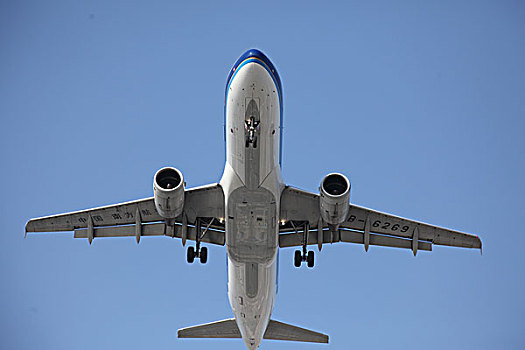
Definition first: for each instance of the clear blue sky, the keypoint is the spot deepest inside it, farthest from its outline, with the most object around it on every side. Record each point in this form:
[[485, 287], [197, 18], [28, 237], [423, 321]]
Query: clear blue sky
[[421, 105]]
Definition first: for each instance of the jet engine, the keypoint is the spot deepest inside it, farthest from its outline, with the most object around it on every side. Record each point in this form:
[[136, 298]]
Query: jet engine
[[335, 198], [168, 191]]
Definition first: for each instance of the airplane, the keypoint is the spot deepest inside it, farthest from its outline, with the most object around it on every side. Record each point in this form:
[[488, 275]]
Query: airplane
[[253, 212]]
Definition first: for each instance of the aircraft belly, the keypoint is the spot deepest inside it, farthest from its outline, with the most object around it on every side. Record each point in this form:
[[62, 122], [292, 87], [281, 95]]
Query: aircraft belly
[[252, 185], [252, 312], [251, 225], [252, 93]]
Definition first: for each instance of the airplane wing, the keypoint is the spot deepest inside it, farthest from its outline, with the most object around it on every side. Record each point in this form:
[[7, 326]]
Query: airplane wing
[[363, 226], [203, 206]]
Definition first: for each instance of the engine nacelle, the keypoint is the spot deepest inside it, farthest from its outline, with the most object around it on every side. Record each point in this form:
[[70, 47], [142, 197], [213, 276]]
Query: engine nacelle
[[168, 191], [335, 198]]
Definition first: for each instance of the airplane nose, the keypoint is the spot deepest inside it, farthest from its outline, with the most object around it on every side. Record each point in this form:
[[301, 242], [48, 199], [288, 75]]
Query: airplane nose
[[255, 54]]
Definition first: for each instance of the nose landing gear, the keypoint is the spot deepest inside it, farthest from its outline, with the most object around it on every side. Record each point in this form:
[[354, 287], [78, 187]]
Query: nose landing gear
[[252, 127]]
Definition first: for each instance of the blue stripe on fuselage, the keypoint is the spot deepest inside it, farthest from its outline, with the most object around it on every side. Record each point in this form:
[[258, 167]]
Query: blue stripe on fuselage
[[257, 56]]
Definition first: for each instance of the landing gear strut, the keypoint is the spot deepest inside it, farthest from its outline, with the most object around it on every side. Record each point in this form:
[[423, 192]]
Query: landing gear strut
[[198, 252], [305, 255]]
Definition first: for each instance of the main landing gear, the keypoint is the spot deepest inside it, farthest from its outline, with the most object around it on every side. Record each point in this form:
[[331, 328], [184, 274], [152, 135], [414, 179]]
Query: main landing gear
[[299, 258], [198, 252], [202, 254], [305, 255]]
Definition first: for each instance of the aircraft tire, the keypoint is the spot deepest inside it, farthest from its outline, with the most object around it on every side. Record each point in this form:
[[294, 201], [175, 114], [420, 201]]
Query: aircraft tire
[[204, 255], [190, 256], [298, 258], [310, 259]]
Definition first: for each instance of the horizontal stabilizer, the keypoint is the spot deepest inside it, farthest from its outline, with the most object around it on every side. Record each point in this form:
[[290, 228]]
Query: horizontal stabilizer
[[282, 331], [220, 329]]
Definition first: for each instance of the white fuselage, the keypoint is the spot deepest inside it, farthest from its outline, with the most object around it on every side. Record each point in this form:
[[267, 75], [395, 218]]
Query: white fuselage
[[252, 185]]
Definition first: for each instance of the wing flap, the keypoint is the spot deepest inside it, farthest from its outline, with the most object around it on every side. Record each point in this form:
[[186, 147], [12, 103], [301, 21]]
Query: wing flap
[[384, 241], [212, 235], [157, 229], [296, 239]]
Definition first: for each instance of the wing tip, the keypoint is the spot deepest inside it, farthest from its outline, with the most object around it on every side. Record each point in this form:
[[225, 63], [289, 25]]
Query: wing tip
[[480, 246], [27, 228]]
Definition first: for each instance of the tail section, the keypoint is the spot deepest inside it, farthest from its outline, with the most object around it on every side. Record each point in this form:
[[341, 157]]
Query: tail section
[[276, 330], [281, 331], [220, 329]]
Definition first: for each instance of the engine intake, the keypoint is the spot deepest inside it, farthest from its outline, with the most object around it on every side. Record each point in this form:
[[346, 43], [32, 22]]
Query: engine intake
[[335, 198], [168, 192]]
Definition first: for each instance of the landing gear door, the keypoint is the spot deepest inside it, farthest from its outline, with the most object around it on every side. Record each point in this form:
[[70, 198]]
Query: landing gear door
[[252, 108]]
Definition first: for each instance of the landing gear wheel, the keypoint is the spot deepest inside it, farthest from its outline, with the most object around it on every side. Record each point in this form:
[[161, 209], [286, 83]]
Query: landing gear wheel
[[190, 256], [310, 259], [298, 258], [204, 255]]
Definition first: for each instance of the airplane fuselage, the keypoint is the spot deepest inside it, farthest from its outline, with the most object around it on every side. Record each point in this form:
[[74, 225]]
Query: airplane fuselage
[[252, 185]]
